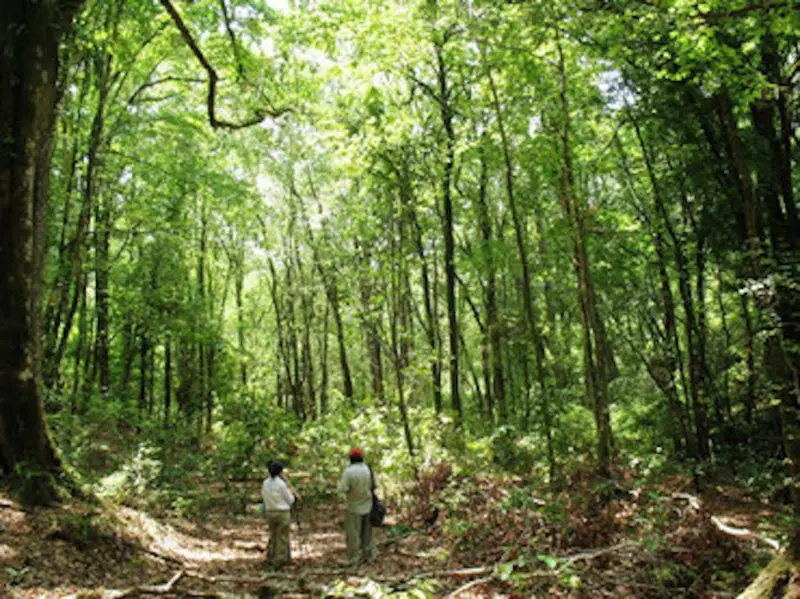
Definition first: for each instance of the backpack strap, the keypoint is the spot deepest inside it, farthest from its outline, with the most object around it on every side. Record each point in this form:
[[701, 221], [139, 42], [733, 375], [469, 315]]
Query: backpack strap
[[371, 478]]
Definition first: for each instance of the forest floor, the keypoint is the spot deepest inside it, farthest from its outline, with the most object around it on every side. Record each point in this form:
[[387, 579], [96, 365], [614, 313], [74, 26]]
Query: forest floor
[[88, 551]]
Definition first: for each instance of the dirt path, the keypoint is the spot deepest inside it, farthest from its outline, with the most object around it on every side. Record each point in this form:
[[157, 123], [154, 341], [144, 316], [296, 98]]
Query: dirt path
[[72, 553], [224, 554]]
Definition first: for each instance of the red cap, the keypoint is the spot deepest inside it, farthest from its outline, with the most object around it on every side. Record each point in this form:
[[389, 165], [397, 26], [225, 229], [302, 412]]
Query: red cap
[[356, 453]]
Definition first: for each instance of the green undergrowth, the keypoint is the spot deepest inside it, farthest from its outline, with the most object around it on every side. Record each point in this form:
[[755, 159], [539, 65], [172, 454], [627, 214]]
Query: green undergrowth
[[482, 494]]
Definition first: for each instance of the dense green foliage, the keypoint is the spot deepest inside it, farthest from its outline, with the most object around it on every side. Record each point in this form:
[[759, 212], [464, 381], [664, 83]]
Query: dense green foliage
[[544, 235]]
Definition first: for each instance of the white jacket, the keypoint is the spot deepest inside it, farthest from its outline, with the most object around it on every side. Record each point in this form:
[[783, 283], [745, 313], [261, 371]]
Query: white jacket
[[276, 495]]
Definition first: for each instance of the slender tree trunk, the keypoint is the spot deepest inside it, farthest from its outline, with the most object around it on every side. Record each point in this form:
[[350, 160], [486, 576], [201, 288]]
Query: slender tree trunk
[[203, 393], [490, 351], [344, 363], [323, 392], [332, 293], [167, 379], [238, 277], [307, 356], [399, 367], [449, 243], [80, 348], [72, 265], [128, 353], [373, 341], [283, 353], [102, 239], [144, 348], [723, 314], [527, 296], [674, 357], [292, 343], [595, 353], [696, 393], [431, 315]]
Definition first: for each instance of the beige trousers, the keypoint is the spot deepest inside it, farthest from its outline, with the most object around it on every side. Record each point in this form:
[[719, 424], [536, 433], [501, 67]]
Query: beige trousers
[[278, 550], [358, 530]]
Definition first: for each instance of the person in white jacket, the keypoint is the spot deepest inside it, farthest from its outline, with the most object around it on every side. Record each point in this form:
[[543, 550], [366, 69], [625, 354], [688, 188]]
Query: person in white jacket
[[278, 497]]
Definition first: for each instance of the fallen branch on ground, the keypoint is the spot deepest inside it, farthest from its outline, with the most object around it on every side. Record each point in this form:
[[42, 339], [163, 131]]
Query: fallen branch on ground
[[239, 579], [161, 556], [468, 586], [742, 533], [590, 555], [157, 589], [454, 573]]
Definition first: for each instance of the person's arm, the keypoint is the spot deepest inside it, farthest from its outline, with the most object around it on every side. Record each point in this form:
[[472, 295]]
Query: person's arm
[[344, 483], [292, 490], [263, 499], [287, 493]]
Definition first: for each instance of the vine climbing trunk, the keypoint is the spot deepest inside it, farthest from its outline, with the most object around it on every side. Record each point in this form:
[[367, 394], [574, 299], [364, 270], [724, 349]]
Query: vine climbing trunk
[[28, 75]]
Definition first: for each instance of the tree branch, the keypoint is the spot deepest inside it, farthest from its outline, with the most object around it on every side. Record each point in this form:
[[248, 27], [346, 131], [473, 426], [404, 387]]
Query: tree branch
[[148, 84], [213, 78], [232, 36], [159, 589]]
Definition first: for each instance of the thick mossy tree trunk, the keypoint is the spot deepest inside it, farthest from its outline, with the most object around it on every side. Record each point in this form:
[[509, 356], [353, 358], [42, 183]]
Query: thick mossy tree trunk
[[30, 34]]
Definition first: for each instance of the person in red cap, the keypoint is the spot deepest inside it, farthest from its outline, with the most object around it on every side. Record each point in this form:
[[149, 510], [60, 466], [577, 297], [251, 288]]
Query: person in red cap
[[357, 485]]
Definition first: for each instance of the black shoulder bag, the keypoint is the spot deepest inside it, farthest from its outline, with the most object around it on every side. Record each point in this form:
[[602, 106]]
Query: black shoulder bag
[[378, 512]]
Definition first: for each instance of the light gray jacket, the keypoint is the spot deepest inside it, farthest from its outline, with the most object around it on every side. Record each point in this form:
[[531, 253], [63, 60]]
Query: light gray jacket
[[356, 484]]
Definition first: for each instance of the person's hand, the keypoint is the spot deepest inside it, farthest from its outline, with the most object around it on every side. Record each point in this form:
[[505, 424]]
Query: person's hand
[[297, 496]]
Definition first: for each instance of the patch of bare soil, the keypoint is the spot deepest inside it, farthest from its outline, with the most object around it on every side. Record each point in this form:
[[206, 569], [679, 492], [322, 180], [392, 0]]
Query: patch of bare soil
[[82, 552]]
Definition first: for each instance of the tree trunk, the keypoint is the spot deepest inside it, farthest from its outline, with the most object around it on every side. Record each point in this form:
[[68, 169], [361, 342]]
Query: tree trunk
[[332, 293], [80, 349], [527, 297], [696, 392], [167, 379], [323, 392], [144, 348], [128, 353], [28, 75], [595, 353], [449, 243], [490, 357], [431, 315], [102, 238], [399, 366], [238, 277]]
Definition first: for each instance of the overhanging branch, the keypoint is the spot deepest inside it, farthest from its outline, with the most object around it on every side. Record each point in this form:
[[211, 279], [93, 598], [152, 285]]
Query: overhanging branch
[[259, 116]]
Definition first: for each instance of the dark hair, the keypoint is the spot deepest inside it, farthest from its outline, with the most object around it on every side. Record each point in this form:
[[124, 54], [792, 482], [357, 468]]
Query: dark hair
[[356, 459], [275, 468]]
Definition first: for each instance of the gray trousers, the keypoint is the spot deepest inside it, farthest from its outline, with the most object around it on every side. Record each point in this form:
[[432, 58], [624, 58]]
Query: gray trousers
[[278, 550], [358, 530]]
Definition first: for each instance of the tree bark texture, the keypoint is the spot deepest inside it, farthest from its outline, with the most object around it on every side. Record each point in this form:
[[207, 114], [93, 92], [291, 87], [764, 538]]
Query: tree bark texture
[[28, 73]]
